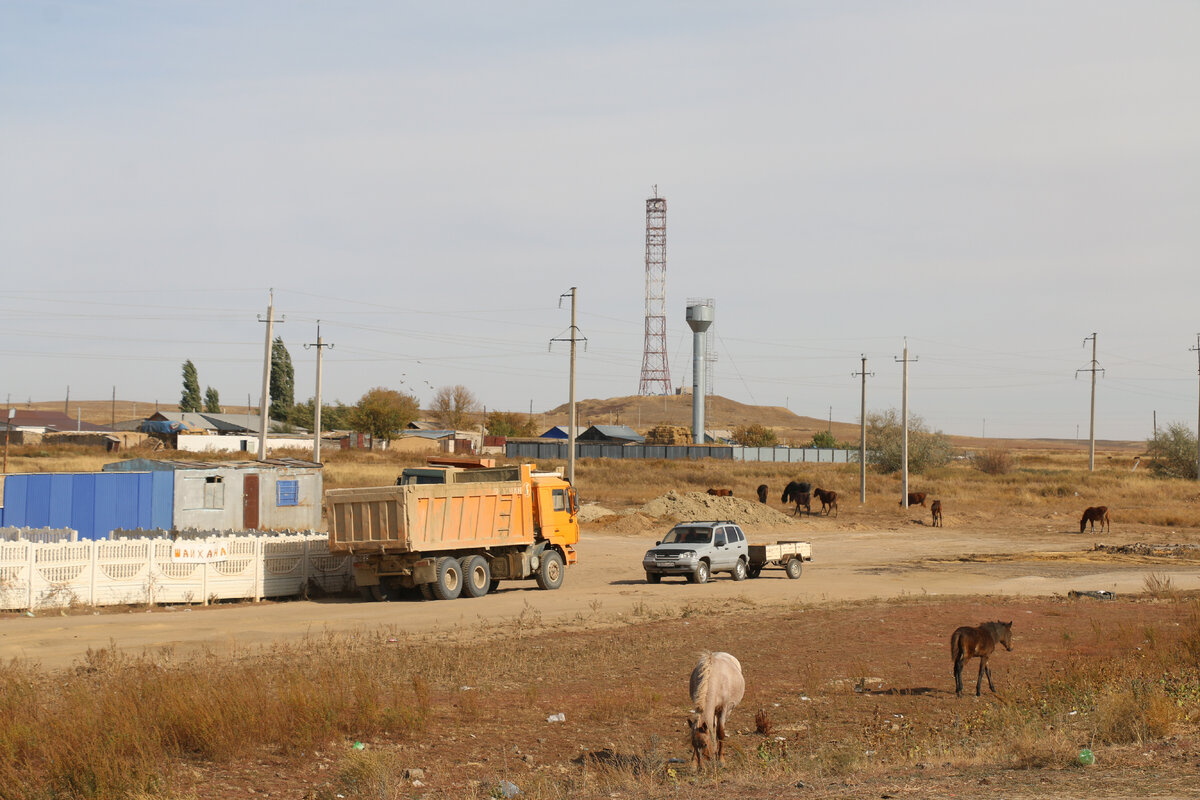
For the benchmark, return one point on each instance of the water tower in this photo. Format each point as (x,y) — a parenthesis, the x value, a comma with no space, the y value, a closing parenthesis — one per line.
(699,318)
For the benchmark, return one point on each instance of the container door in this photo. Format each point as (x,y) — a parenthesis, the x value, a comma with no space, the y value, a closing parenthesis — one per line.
(250,502)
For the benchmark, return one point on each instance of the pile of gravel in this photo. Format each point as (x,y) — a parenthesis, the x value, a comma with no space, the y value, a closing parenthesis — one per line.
(704,506)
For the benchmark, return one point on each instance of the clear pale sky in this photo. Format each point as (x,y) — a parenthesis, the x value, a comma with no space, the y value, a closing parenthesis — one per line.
(994,181)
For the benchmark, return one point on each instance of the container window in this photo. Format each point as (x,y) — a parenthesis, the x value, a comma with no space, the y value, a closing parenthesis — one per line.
(287,493)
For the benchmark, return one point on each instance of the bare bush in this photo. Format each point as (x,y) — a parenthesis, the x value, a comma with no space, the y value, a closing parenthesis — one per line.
(993,461)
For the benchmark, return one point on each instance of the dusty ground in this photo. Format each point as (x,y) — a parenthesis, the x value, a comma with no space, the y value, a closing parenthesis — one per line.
(805,645)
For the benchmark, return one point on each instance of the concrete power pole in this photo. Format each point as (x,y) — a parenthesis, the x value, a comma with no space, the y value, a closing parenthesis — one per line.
(862,434)
(320,345)
(266,380)
(904,441)
(1092,426)
(1197,350)
(574,337)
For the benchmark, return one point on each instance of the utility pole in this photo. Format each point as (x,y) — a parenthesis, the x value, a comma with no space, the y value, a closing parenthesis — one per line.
(571,394)
(1092,426)
(320,345)
(1197,351)
(266,380)
(67,401)
(862,433)
(12,412)
(904,441)
(114,408)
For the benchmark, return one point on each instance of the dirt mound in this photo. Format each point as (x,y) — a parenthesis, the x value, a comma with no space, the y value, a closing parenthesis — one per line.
(590,512)
(698,505)
(1144,549)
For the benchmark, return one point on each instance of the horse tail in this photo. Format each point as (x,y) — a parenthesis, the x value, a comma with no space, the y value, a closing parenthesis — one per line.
(700,691)
(955,645)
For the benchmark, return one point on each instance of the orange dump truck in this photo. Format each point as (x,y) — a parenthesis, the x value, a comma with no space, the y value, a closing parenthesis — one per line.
(453,532)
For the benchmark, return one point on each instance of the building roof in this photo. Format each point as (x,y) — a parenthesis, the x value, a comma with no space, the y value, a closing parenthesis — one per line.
(557,432)
(154,464)
(427,435)
(218,423)
(52,421)
(621,433)
(419,425)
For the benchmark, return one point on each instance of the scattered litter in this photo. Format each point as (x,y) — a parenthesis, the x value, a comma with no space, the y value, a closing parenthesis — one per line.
(805,697)
(674,760)
(559,717)
(1099,594)
(29,613)
(776,705)
(417,783)
(465,688)
(509,789)
(392,640)
(358,746)
(414,774)
(1087,757)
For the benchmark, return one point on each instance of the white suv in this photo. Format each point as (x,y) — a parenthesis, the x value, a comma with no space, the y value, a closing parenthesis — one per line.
(697,550)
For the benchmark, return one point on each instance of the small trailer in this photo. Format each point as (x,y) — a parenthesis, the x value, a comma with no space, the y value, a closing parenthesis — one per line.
(790,555)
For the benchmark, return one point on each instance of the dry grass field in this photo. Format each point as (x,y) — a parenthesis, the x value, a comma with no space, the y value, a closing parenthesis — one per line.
(856,697)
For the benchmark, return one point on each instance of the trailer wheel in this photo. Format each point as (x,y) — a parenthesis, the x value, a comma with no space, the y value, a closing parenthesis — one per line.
(449,583)
(477,576)
(794,568)
(739,570)
(754,571)
(550,571)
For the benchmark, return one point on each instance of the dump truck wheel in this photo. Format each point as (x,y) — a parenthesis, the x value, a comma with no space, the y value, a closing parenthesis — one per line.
(550,571)
(449,583)
(426,591)
(477,578)
(371,594)
(794,568)
(653,577)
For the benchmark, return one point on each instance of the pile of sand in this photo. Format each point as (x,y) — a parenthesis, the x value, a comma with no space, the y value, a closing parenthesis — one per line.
(661,512)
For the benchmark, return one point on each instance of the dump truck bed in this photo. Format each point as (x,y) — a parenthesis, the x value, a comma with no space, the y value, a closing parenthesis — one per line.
(429,517)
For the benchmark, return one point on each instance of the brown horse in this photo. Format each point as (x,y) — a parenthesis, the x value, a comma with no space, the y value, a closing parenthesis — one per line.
(1093,515)
(915,499)
(721,492)
(716,687)
(980,641)
(935,508)
(762,493)
(828,500)
(800,493)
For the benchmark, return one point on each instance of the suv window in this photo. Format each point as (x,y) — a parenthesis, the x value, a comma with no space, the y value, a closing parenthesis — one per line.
(720,542)
(688,536)
(735,535)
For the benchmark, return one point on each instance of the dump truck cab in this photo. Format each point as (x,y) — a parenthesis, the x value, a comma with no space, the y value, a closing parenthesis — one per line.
(556,511)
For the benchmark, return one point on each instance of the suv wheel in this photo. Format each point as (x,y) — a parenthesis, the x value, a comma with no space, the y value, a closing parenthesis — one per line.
(701,573)
(739,570)
(653,577)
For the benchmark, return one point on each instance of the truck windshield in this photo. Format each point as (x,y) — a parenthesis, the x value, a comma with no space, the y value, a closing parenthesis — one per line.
(688,536)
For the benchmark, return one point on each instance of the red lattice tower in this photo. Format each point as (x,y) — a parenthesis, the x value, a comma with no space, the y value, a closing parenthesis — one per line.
(656,377)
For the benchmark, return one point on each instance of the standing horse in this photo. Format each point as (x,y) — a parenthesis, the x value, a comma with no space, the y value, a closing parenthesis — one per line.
(721,492)
(799,492)
(716,687)
(935,508)
(762,493)
(828,500)
(1093,515)
(915,499)
(980,641)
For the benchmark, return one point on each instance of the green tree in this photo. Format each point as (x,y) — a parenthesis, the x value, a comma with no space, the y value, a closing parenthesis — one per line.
(507,423)
(190,399)
(823,439)
(212,400)
(755,436)
(334,417)
(1173,452)
(283,381)
(885,435)
(453,406)
(382,412)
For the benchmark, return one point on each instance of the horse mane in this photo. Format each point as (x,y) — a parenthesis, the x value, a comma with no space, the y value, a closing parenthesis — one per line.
(700,693)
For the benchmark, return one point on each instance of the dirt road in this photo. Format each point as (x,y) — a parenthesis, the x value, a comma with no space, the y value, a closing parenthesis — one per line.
(608,585)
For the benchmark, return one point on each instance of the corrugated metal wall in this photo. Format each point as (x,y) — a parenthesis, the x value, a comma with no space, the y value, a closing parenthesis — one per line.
(93,503)
(542,450)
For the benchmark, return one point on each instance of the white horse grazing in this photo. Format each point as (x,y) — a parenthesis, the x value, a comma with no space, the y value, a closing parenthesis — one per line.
(717,687)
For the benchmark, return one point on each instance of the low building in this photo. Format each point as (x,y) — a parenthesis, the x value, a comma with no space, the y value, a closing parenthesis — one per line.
(281,494)
(611,434)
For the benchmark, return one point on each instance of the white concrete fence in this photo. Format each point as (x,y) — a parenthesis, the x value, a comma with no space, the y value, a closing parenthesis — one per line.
(149,571)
